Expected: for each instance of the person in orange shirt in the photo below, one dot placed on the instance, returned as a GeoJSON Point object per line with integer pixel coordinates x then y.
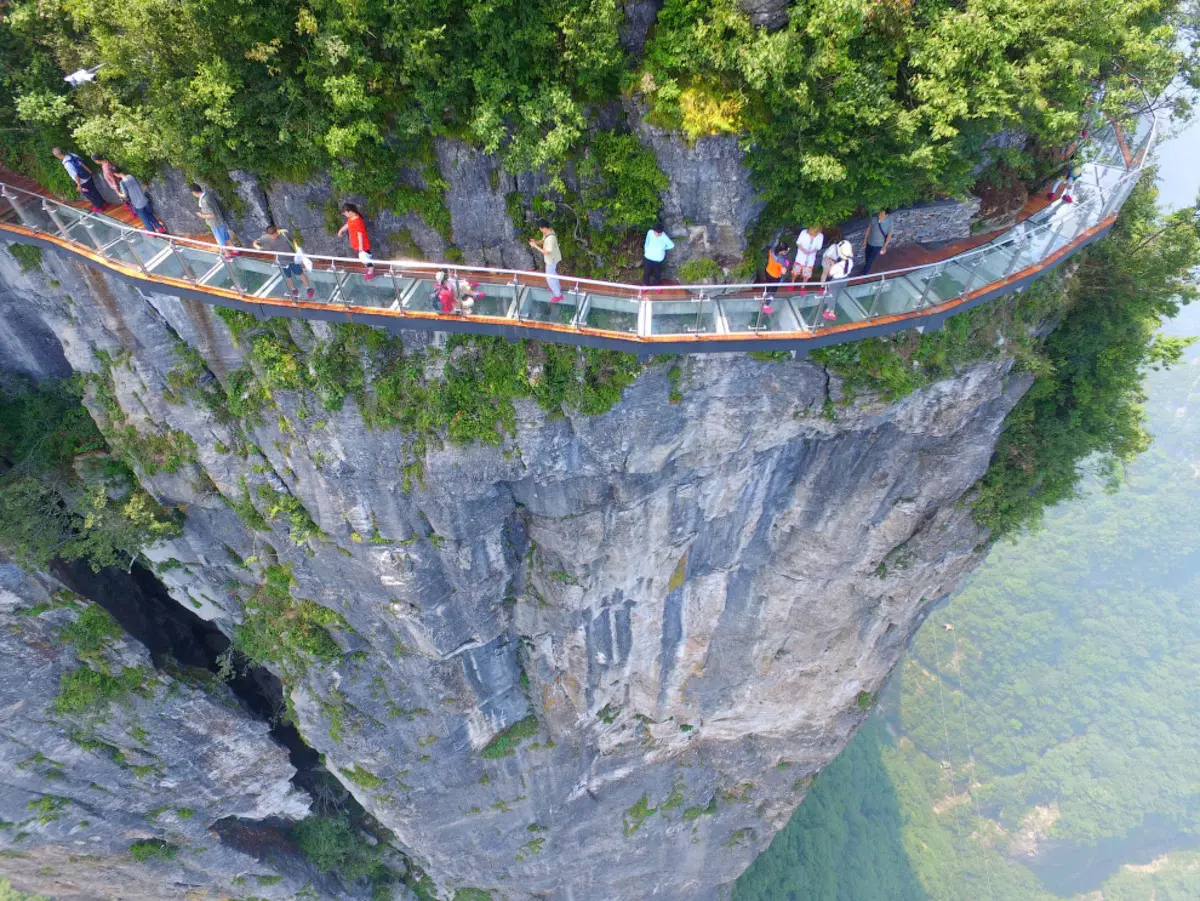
{"type": "Point", "coordinates": [777, 262]}
{"type": "Point", "coordinates": [356, 227]}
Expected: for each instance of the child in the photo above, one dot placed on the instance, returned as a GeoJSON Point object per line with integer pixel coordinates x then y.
{"type": "Point", "coordinates": [1068, 178]}
{"type": "Point", "coordinates": [777, 263]}
{"type": "Point", "coordinates": [356, 226]}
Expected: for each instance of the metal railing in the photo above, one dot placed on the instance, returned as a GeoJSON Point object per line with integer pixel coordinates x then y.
{"type": "Point", "coordinates": [704, 316]}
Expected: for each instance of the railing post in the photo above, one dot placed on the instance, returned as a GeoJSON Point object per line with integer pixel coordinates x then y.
{"type": "Point", "coordinates": [875, 298]}
{"type": "Point", "coordinates": [54, 217]}
{"type": "Point", "coordinates": [516, 289]}
{"type": "Point", "coordinates": [398, 305]}
{"type": "Point", "coordinates": [699, 312]}
{"type": "Point", "coordinates": [970, 282]}
{"type": "Point", "coordinates": [88, 227]}
{"type": "Point", "coordinates": [133, 250]}
{"type": "Point", "coordinates": [183, 264]}
{"type": "Point", "coordinates": [339, 283]}
{"type": "Point", "coordinates": [937, 267]}
{"type": "Point", "coordinates": [232, 275]}
{"type": "Point", "coordinates": [26, 220]}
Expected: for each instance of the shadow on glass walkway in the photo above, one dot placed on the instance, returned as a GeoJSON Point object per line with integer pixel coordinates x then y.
{"type": "Point", "coordinates": [671, 319]}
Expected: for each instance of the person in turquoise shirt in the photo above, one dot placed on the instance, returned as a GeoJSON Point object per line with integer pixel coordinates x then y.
{"type": "Point", "coordinates": [657, 245]}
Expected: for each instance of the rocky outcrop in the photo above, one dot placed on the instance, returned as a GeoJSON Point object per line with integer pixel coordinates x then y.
{"type": "Point", "coordinates": [769, 14]}
{"type": "Point", "coordinates": [603, 659]}
{"type": "Point", "coordinates": [710, 202]}
{"type": "Point", "coordinates": [108, 792]}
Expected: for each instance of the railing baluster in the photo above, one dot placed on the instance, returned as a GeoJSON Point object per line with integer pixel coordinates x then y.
{"type": "Point", "coordinates": [188, 275]}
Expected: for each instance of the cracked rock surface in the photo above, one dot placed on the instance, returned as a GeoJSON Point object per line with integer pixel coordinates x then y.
{"type": "Point", "coordinates": [603, 660]}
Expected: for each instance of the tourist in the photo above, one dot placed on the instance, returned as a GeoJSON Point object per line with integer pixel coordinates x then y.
{"type": "Point", "coordinates": [214, 217]}
{"type": "Point", "coordinates": [808, 245]}
{"type": "Point", "coordinates": [109, 173]}
{"type": "Point", "coordinates": [130, 190]}
{"type": "Point", "coordinates": [877, 239]}
{"type": "Point", "coordinates": [356, 227]}
{"type": "Point", "coordinates": [82, 176]}
{"type": "Point", "coordinates": [836, 264]}
{"type": "Point", "coordinates": [777, 263]}
{"type": "Point", "coordinates": [655, 251]}
{"type": "Point", "coordinates": [551, 256]}
{"type": "Point", "coordinates": [1068, 178]}
{"type": "Point", "coordinates": [280, 243]}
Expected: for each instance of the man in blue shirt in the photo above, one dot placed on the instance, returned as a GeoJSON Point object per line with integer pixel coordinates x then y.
{"type": "Point", "coordinates": [82, 176]}
{"type": "Point", "coordinates": [657, 245]}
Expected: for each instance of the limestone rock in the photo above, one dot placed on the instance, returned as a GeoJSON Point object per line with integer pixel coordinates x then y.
{"type": "Point", "coordinates": [604, 659]}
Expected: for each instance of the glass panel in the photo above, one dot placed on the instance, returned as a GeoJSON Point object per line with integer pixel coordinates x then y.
{"type": "Point", "coordinates": [32, 214]}
{"type": "Point", "coordinates": [147, 247]}
{"type": "Point", "coordinates": [948, 282]}
{"type": "Point", "coordinates": [422, 299]}
{"type": "Point", "coordinates": [102, 230]}
{"type": "Point", "coordinates": [495, 300]}
{"type": "Point", "coordinates": [377, 292]}
{"type": "Point", "coordinates": [753, 315]}
{"type": "Point", "coordinates": [993, 266]}
{"type": "Point", "coordinates": [536, 305]}
{"type": "Point", "coordinates": [251, 274]}
{"type": "Point", "coordinates": [612, 314]}
{"type": "Point", "coordinates": [121, 252]}
{"type": "Point", "coordinates": [170, 267]}
{"type": "Point", "coordinates": [900, 294]}
{"type": "Point", "coordinates": [682, 317]}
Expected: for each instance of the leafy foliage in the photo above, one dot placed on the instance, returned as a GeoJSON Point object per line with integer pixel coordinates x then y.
{"type": "Point", "coordinates": [333, 845]}
{"type": "Point", "coordinates": [153, 849]}
{"type": "Point", "coordinates": [86, 690]}
{"type": "Point", "coordinates": [505, 742]}
{"type": "Point", "coordinates": [61, 495]}
{"type": "Point", "coordinates": [865, 104]}
{"type": "Point", "coordinates": [1086, 403]}
{"type": "Point", "coordinates": [282, 630]}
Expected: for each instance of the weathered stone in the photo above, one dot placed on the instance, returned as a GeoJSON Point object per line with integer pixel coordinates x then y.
{"type": "Point", "coordinates": [926, 223]}
{"type": "Point", "coordinates": [710, 201]}
{"type": "Point", "coordinates": [769, 14]}
{"type": "Point", "coordinates": [478, 208]}
{"type": "Point", "coordinates": [78, 788]}
{"type": "Point", "coordinates": [682, 595]}
{"type": "Point", "coordinates": [640, 16]}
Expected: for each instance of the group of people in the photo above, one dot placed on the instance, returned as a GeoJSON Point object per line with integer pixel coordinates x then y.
{"type": "Point", "coordinates": [123, 184]}
{"type": "Point", "coordinates": [454, 294]}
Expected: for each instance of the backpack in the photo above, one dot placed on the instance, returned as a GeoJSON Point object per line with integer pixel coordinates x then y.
{"type": "Point", "coordinates": [840, 267]}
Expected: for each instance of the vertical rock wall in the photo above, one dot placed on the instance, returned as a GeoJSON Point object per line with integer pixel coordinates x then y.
{"type": "Point", "coordinates": [603, 660]}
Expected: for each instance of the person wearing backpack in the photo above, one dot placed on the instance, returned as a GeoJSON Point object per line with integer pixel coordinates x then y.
{"type": "Point", "coordinates": [836, 265]}
{"type": "Point", "coordinates": [82, 176]}
{"type": "Point", "coordinates": [551, 256]}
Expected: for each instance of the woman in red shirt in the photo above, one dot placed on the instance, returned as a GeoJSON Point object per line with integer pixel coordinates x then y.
{"type": "Point", "coordinates": [356, 226]}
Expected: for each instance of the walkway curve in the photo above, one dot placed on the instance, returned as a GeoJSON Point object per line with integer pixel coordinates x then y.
{"type": "Point", "coordinates": [674, 319]}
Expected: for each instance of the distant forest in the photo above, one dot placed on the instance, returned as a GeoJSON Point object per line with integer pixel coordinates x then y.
{"type": "Point", "coordinates": [1061, 686]}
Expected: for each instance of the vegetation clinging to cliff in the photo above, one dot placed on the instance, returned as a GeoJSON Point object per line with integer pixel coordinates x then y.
{"type": "Point", "coordinates": [855, 102]}
{"type": "Point", "coordinates": [61, 494]}
{"type": "Point", "coordinates": [1085, 404]}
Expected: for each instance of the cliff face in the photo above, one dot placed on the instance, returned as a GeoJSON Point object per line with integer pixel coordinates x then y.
{"type": "Point", "coordinates": [601, 660]}
{"type": "Point", "coordinates": [85, 788]}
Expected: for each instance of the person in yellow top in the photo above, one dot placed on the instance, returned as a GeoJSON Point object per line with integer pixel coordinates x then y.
{"type": "Point", "coordinates": [548, 248]}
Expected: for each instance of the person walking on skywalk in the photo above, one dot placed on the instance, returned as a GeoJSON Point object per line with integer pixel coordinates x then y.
{"type": "Point", "coordinates": [356, 228]}
{"type": "Point", "coordinates": [214, 217]}
{"type": "Point", "coordinates": [654, 253]}
{"type": "Point", "coordinates": [278, 241]}
{"type": "Point", "coordinates": [82, 176]}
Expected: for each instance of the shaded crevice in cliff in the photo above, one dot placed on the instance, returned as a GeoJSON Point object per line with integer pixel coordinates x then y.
{"type": "Point", "coordinates": [178, 639]}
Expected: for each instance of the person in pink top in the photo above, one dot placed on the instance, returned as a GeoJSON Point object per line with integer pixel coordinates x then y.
{"type": "Point", "coordinates": [356, 227]}
{"type": "Point", "coordinates": [808, 245]}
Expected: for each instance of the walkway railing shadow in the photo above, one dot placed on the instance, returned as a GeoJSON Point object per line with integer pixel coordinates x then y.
{"type": "Point", "coordinates": [673, 319]}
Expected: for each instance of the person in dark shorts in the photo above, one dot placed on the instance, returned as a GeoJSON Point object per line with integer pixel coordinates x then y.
{"type": "Point", "coordinates": [279, 242]}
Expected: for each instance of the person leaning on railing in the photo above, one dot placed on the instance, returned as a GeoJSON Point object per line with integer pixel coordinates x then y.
{"type": "Point", "coordinates": [279, 242]}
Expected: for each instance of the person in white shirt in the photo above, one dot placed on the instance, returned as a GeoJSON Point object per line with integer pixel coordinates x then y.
{"type": "Point", "coordinates": [836, 264]}
{"type": "Point", "coordinates": [552, 255]}
{"type": "Point", "coordinates": [808, 245]}
{"type": "Point", "coordinates": [655, 251]}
